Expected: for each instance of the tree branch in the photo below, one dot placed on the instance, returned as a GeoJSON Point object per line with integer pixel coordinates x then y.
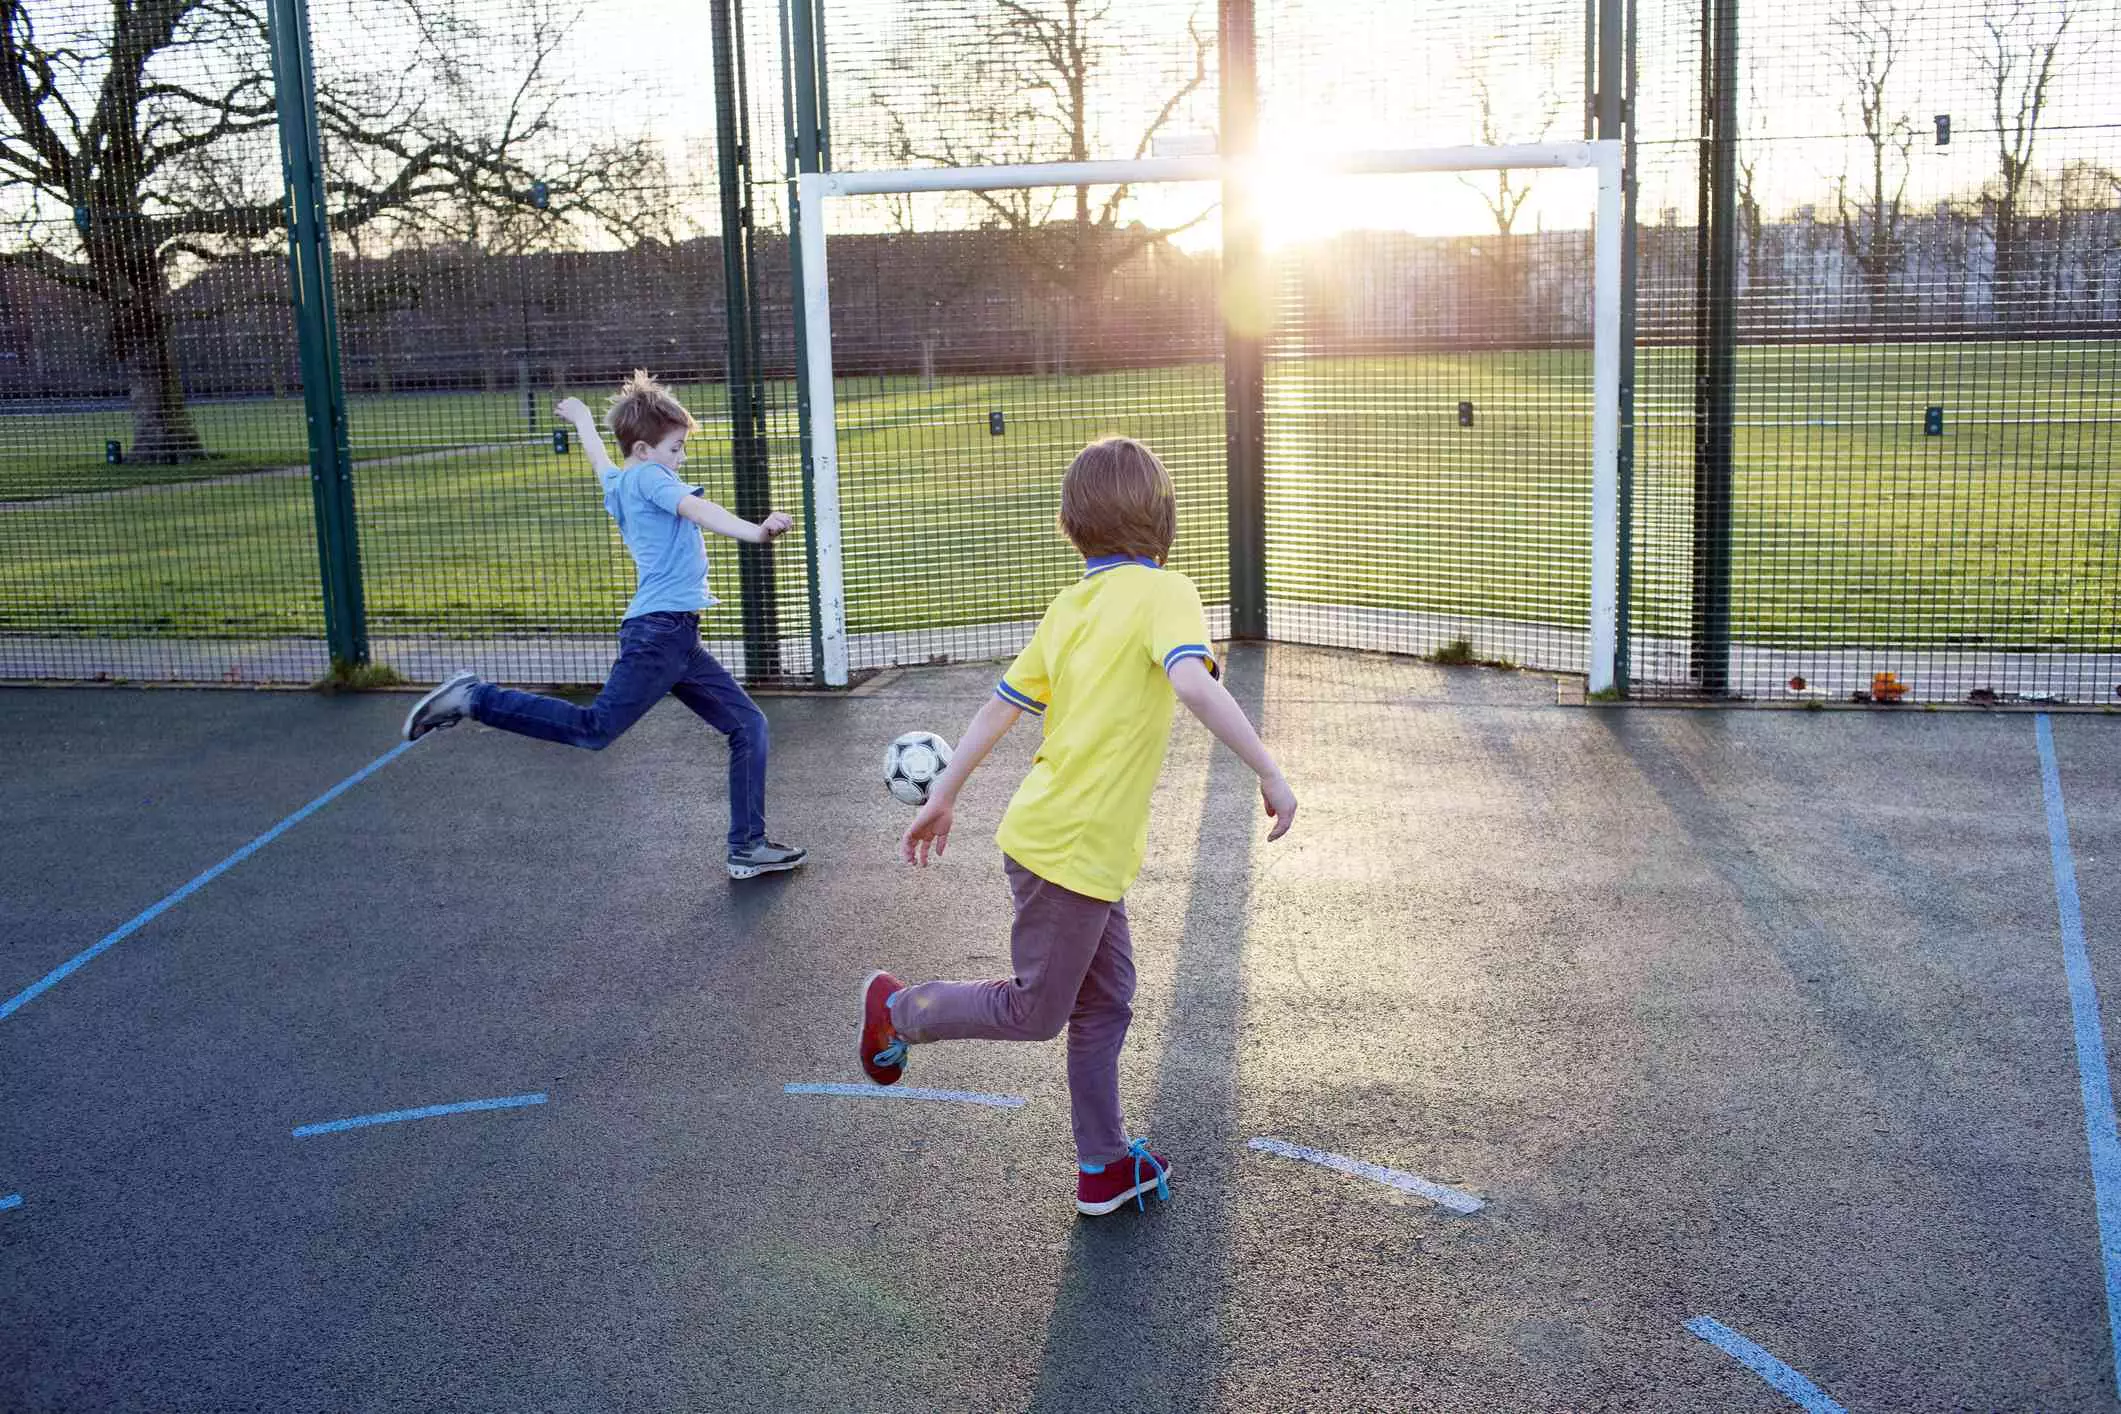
{"type": "Point", "coordinates": [43, 264]}
{"type": "Point", "coordinates": [19, 57]}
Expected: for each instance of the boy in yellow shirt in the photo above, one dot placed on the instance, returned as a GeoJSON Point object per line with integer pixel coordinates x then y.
{"type": "Point", "coordinates": [1102, 672]}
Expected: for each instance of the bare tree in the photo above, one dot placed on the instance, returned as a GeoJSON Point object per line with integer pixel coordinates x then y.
{"type": "Point", "coordinates": [1504, 192]}
{"type": "Point", "coordinates": [2087, 238]}
{"type": "Point", "coordinates": [141, 149]}
{"type": "Point", "coordinates": [1018, 81]}
{"type": "Point", "coordinates": [2021, 54]}
{"type": "Point", "coordinates": [1752, 227]}
{"type": "Point", "coordinates": [1870, 36]}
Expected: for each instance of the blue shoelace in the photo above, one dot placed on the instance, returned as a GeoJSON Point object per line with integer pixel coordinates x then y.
{"type": "Point", "coordinates": [893, 1054]}
{"type": "Point", "coordinates": [1139, 1149]}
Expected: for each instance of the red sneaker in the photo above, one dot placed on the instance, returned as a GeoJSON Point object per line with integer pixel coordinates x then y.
{"type": "Point", "coordinates": [883, 1051]}
{"type": "Point", "coordinates": [1130, 1176]}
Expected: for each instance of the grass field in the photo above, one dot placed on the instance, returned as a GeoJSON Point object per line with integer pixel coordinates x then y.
{"type": "Point", "coordinates": [1851, 525]}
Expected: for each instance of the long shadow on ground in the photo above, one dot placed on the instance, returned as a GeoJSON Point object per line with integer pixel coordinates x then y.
{"type": "Point", "coordinates": [1136, 1322]}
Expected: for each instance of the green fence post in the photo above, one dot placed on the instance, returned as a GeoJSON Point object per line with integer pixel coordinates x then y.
{"type": "Point", "coordinates": [800, 64]}
{"type": "Point", "coordinates": [1245, 320]}
{"type": "Point", "coordinates": [749, 463]}
{"type": "Point", "coordinates": [1716, 356]}
{"type": "Point", "coordinates": [317, 332]}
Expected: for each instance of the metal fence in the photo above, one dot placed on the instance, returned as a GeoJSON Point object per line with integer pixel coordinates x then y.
{"type": "Point", "coordinates": [1874, 294]}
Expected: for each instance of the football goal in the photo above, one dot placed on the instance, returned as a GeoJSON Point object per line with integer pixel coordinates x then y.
{"type": "Point", "coordinates": [900, 404]}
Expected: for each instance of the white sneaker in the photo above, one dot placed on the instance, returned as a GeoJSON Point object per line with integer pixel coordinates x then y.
{"type": "Point", "coordinates": [766, 857]}
{"type": "Point", "coordinates": [444, 707]}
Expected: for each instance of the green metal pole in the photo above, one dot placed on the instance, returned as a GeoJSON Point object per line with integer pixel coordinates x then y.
{"type": "Point", "coordinates": [1246, 315]}
{"type": "Point", "coordinates": [317, 332]}
{"type": "Point", "coordinates": [746, 391]}
{"type": "Point", "coordinates": [799, 70]}
{"type": "Point", "coordinates": [1717, 387]}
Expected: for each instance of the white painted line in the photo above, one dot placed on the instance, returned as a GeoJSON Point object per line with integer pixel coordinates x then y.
{"type": "Point", "coordinates": [1785, 1381]}
{"type": "Point", "coordinates": [906, 1092]}
{"type": "Point", "coordinates": [1454, 1199]}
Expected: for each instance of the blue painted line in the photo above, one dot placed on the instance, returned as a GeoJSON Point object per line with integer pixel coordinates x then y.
{"type": "Point", "coordinates": [1457, 1200]}
{"type": "Point", "coordinates": [1793, 1386]}
{"type": "Point", "coordinates": [906, 1092]}
{"type": "Point", "coordinates": [125, 930]}
{"type": "Point", "coordinates": [2094, 1085]}
{"type": "Point", "coordinates": [12, 1200]}
{"type": "Point", "coordinates": [505, 1102]}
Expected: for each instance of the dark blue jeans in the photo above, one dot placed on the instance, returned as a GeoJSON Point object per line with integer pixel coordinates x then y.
{"type": "Point", "coordinates": [658, 653]}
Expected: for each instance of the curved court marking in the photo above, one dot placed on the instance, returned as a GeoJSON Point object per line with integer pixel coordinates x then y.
{"type": "Point", "coordinates": [1793, 1386]}
{"type": "Point", "coordinates": [142, 919]}
{"type": "Point", "coordinates": [12, 1200]}
{"type": "Point", "coordinates": [2094, 1085]}
{"type": "Point", "coordinates": [505, 1102]}
{"type": "Point", "coordinates": [1456, 1200]}
{"type": "Point", "coordinates": [905, 1092]}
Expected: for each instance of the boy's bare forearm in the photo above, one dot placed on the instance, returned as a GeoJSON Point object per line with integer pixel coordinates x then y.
{"type": "Point", "coordinates": [585, 427]}
{"type": "Point", "coordinates": [1211, 702]}
{"type": "Point", "coordinates": [709, 516]}
{"type": "Point", "coordinates": [988, 726]}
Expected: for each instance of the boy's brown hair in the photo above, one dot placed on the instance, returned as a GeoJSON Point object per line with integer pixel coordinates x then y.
{"type": "Point", "coordinates": [644, 411]}
{"type": "Point", "coordinates": [1117, 500]}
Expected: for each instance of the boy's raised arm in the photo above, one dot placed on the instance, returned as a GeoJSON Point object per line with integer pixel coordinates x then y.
{"type": "Point", "coordinates": [575, 412]}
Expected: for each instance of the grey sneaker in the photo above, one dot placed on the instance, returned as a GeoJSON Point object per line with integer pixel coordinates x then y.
{"type": "Point", "coordinates": [765, 857]}
{"type": "Point", "coordinates": [444, 707]}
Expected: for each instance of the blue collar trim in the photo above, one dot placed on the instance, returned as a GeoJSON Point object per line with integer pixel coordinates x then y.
{"type": "Point", "coordinates": [1101, 563]}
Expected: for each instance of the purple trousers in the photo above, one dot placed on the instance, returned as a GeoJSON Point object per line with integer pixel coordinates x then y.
{"type": "Point", "coordinates": [1074, 963]}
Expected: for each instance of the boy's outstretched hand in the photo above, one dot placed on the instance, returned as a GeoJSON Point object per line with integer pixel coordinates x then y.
{"type": "Point", "coordinates": [775, 526]}
{"type": "Point", "coordinates": [931, 826]}
{"type": "Point", "coordinates": [570, 410]}
{"type": "Point", "coordinates": [1280, 802]}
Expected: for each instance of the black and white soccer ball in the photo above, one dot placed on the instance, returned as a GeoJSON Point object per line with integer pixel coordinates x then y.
{"type": "Point", "coordinates": [912, 763]}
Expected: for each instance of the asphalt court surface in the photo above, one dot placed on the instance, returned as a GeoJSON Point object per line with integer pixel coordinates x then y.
{"type": "Point", "coordinates": [1759, 1016]}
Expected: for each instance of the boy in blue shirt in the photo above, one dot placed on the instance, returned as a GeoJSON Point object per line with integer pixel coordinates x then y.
{"type": "Point", "coordinates": [661, 518]}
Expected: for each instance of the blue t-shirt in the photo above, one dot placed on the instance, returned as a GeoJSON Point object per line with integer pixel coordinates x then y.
{"type": "Point", "coordinates": [667, 549]}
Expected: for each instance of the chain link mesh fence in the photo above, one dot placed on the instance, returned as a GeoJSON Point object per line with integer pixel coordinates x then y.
{"type": "Point", "coordinates": [155, 512]}
{"type": "Point", "coordinates": [527, 198]}
{"type": "Point", "coordinates": [1924, 496]}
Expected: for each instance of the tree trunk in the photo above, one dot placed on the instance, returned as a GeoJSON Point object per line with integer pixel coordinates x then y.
{"type": "Point", "coordinates": [140, 336]}
{"type": "Point", "coordinates": [1877, 282]}
{"type": "Point", "coordinates": [162, 428]}
{"type": "Point", "coordinates": [2009, 279]}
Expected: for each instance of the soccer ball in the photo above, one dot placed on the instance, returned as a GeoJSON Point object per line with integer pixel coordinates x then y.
{"type": "Point", "coordinates": [912, 763]}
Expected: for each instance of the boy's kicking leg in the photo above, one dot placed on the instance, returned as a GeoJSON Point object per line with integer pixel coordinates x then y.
{"type": "Point", "coordinates": [709, 690]}
{"type": "Point", "coordinates": [654, 652]}
{"type": "Point", "coordinates": [1074, 964]}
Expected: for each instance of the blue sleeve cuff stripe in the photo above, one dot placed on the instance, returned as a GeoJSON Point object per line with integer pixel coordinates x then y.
{"type": "Point", "coordinates": [1187, 650]}
{"type": "Point", "coordinates": [1014, 698]}
{"type": "Point", "coordinates": [1193, 650]}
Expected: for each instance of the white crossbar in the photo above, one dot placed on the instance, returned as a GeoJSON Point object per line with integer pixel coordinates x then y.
{"type": "Point", "coordinates": [1205, 168]}
{"type": "Point", "coordinates": [813, 188]}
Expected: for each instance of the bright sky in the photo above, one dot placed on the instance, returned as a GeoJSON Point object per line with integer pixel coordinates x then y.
{"type": "Point", "coordinates": [1336, 75]}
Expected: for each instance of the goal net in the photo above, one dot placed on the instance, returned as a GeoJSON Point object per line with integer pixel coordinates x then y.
{"type": "Point", "coordinates": [1439, 464]}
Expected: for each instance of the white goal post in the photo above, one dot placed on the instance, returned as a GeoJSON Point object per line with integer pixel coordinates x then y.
{"type": "Point", "coordinates": [815, 189]}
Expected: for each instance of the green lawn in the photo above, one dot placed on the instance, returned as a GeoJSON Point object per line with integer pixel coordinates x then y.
{"type": "Point", "coordinates": [1851, 525]}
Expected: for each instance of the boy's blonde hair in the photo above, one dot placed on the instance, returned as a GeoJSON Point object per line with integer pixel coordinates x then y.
{"type": "Point", "coordinates": [644, 411]}
{"type": "Point", "coordinates": [1117, 500]}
